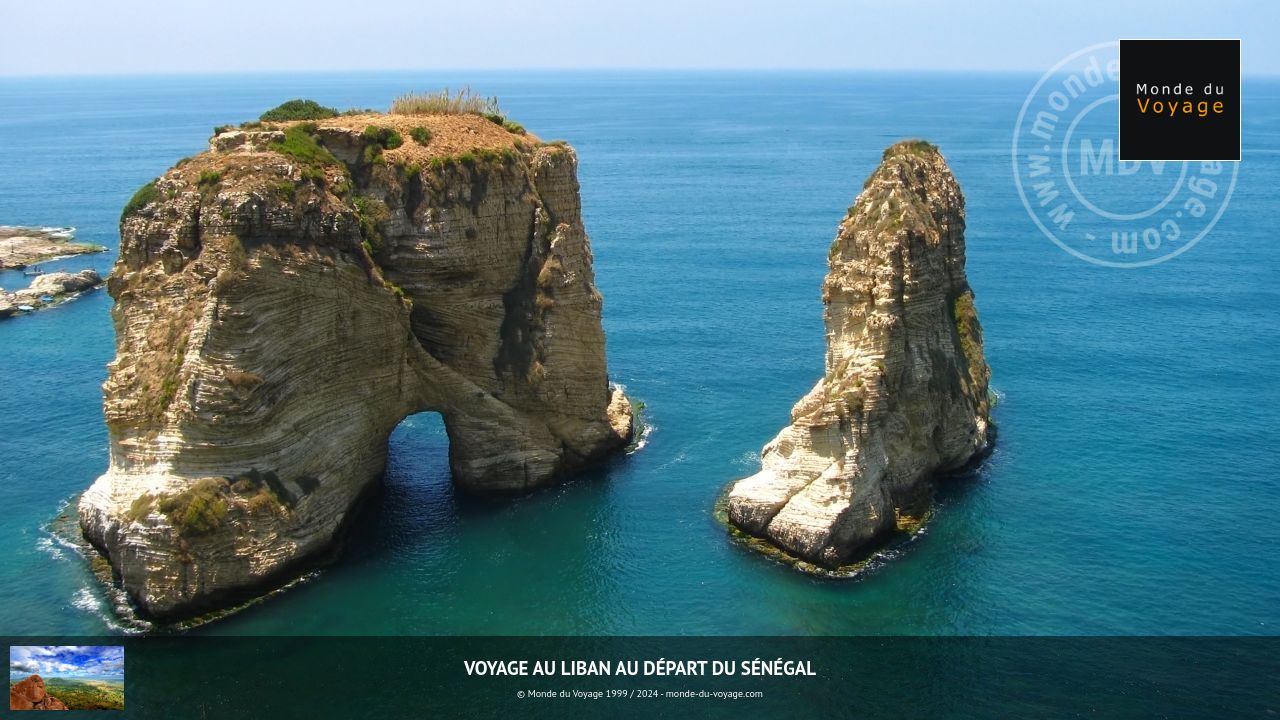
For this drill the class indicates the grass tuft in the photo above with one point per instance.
(444, 103)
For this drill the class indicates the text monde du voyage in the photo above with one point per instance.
(647, 668)
(1179, 99)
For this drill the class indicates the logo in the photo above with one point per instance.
(1180, 99)
(1104, 210)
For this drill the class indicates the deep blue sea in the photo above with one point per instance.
(1134, 488)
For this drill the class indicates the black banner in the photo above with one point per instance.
(195, 676)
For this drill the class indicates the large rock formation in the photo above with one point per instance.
(284, 300)
(904, 396)
(28, 694)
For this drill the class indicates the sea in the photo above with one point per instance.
(1132, 491)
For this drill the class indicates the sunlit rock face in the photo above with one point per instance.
(904, 396)
(284, 300)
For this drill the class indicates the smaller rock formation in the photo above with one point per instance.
(23, 246)
(47, 289)
(904, 396)
(29, 694)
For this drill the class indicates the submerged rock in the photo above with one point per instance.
(284, 300)
(904, 396)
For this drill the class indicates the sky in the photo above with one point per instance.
(66, 661)
(72, 37)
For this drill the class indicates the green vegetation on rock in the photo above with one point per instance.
(420, 135)
(372, 213)
(379, 139)
(965, 314)
(143, 197)
(285, 190)
(508, 125)
(388, 138)
(915, 147)
(298, 110)
(260, 497)
(209, 178)
(141, 507)
(198, 510)
(300, 143)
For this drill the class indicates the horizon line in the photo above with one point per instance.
(539, 70)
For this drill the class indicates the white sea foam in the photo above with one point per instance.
(679, 458)
(748, 460)
(646, 429)
(85, 600)
(53, 546)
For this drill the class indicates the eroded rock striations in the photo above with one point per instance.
(284, 300)
(904, 396)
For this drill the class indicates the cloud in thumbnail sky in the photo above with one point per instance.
(94, 661)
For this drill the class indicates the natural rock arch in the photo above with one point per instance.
(277, 315)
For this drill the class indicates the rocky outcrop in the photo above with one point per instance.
(48, 289)
(29, 694)
(23, 246)
(284, 300)
(60, 283)
(904, 396)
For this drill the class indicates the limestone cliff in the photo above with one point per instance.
(284, 300)
(904, 395)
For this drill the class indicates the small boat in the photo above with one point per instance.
(26, 308)
(33, 270)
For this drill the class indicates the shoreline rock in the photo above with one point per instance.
(904, 396)
(285, 299)
(21, 247)
(46, 290)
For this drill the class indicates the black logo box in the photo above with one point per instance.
(1187, 68)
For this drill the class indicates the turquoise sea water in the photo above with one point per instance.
(1133, 490)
